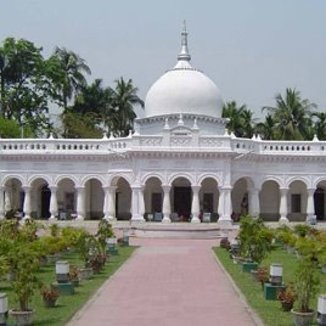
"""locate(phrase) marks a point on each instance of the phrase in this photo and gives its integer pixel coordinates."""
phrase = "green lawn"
(67, 306)
(269, 311)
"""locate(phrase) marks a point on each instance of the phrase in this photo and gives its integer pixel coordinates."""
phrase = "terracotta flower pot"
(49, 303)
(286, 306)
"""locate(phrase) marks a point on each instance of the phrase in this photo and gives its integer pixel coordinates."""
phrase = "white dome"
(183, 90)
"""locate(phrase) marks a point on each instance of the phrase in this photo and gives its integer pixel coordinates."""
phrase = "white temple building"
(180, 164)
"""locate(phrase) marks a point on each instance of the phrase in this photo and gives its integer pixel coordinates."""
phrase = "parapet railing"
(206, 142)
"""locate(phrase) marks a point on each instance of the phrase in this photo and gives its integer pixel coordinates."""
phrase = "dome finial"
(184, 53)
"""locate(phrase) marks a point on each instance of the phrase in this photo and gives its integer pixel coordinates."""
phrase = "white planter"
(62, 267)
(321, 308)
(3, 303)
(111, 241)
(276, 270)
(275, 273)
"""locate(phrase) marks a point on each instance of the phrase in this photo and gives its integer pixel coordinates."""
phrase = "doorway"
(45, 202)
(182, 202)
(319, 201)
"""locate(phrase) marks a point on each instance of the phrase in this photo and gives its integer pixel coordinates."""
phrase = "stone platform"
(178, 230)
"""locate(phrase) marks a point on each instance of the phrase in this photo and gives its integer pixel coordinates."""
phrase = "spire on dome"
(184, 53)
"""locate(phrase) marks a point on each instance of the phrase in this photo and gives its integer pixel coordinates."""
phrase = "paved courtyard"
(167, 282)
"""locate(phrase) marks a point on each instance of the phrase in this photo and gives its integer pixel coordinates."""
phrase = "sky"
(251, 49)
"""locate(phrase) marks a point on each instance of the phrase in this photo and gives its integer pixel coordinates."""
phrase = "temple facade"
(180, 164)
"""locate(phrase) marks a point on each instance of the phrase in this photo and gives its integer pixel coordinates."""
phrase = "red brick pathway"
(167, 283)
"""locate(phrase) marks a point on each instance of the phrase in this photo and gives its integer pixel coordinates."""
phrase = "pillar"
(166, 207)
(195, 208)
(310, 204)
(109, 203)
(225, 205)
(2, 203)
(7, 199)
(142, 202)
(27, 202)
(253, 198)
(53, 203)
(136, 196)
(283, 205)
(80, 203)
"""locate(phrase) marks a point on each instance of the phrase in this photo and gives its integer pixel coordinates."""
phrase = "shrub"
(255, 239)
(225, 243)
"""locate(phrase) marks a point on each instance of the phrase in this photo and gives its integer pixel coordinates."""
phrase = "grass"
(67, 306)
(269, 311)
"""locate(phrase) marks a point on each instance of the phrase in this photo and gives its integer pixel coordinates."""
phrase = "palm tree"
(248, 123)
(267, 128)
(320, 125)
(93, 98)
(240, 119)
(71, 79)
(122, 113)
(291, 115)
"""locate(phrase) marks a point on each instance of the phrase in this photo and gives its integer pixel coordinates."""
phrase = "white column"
(7, 199)
(195, 209)
(225, 206)
(80, 203)
(27, 202)
(253, 199)
(310, 204)
(166, 209)
(136, 196)
(109, 203)
(2, 202)
(142, 202)
(53, 203)
(284, 205)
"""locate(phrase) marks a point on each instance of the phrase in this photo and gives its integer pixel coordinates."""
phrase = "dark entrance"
(156, 202)
(182, 202)
(319, 201)
(45, 202)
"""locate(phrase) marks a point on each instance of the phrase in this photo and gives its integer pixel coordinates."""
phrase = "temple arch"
(94, 198)
(269, 198)
(40, 198)
(153, 198)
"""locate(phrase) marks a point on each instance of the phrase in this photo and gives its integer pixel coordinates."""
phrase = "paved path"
(167, 283)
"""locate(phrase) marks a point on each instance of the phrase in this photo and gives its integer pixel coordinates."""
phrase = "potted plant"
(306, 284)
(74, 275)
(104, 232)
(255, 241)
(287, 297)
(50, 295)
(225, 243)
(24, 283)
(262, 275)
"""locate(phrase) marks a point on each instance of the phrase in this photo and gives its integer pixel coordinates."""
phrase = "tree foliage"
(30, 84)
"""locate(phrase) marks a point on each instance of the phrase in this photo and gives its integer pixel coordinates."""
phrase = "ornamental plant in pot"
(24, 283)
(50, 296)
(255, 239)
(287, 297)
(104, 232)
(306, 284)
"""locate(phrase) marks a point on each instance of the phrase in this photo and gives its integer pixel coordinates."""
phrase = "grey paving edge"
(256, 319)
(89, 302)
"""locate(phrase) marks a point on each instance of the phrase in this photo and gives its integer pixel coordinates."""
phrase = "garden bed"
(269, 311)
(67, 306)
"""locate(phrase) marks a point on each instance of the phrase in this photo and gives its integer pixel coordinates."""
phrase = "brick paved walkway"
(167, 283)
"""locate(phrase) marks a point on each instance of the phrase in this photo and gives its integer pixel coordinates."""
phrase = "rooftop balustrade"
(205, 142)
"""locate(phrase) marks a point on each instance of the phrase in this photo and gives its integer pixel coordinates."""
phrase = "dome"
(183, 89)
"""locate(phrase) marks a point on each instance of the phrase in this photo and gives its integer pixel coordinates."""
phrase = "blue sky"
(252, 49)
